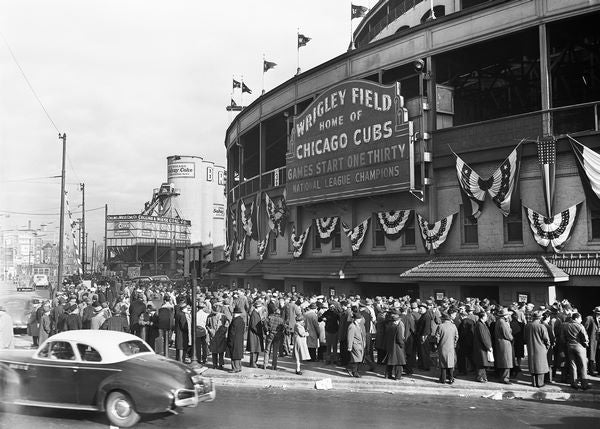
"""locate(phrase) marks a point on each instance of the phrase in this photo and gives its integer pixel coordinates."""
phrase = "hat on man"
(237, 310)
(357, 315)
(597, 310)
(299, 318)
(537, 314)
(97, 306)
(150, 306)
(423, 305)
(502, 311)
(312, 305)
(369, 301)
(394, 312)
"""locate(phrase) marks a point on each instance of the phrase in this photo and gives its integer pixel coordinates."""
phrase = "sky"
(131, 82)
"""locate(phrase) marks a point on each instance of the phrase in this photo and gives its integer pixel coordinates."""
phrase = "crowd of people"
(397, 334)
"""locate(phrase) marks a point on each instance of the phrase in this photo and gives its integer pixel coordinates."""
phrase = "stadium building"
(445, 155)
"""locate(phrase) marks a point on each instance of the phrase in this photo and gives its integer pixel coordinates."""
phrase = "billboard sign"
(142, 226)
(354, 139)
(181, 169)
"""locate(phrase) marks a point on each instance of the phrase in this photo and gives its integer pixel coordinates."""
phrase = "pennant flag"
(303, 40)
(547, 157)
(298, 241)
(246, 89)
(267, 65)
(246, 215)
(261, 247)
(276, 214)
(240, 252)
(325, 226)
(554, 231)
(435, 234)
(393, 221)
(357, 234)
(588, 163)
(500, 186)
(233, 103)
(358, 11)
(236, 84)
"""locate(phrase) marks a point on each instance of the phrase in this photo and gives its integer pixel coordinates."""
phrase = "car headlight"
(197, 379)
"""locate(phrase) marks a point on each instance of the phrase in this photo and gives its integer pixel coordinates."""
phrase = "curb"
(394, 388)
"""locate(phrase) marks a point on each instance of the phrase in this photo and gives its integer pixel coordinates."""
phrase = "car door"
(92, 371)
(53, 374)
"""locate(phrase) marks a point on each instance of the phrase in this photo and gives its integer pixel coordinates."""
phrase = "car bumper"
(203, 392)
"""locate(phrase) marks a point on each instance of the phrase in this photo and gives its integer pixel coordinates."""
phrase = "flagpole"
(298, 51)
(263, 75)
(242, 91)
(351, 36)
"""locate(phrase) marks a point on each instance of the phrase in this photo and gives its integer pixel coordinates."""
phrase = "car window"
(130, 348)
(58, 350)
(88, 353)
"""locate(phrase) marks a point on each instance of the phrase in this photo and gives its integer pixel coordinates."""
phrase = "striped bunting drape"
(500, 186)
(240, 252)
(276, 213)
(246, 217)
(325, 226)
(393, 221)
(588, 163)
(261, 246)
(357, 234)
(434, 234)
(227, 251)
(554, 231)
(298, 241)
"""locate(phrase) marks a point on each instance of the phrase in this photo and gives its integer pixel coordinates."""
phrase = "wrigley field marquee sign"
(354, 139)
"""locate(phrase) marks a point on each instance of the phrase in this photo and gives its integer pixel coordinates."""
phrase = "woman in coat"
(357, 340)
(46, 323)
(482, 345)
(538, 343)
(503, 350)
(235, 340)
(395, 357)
(446, 335)
(300, 348)
(33, 325)
(216, 327)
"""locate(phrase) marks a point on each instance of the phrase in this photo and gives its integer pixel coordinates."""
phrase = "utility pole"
(93, 253)
(61, 239)
(105, 230)
(83, 234)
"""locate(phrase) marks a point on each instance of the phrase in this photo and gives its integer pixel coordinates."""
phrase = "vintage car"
(19, 306)
(108, 371)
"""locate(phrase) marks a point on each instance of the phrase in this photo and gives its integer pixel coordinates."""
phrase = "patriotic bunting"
(298, 241)
(262, 246)
(393, 221)
(240, 252)
(554, 231)
(588, 163)
(500, 186)
(75, 243)
(325, 226)
(547, 158)
(357, 234)
(276, 213)
(227, 251)
(434, 234)
(246, 217)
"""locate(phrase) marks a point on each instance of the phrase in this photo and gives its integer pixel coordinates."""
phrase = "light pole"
(61, 239)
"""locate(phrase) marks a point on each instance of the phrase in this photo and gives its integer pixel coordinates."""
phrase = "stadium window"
(594, 224)
(513, 228)
(336, 236)
(469, 227)
(316, 238)
(378, 233)
(408, 236)
(273, 242)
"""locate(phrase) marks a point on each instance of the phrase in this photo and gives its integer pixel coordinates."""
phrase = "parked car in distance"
(113, 372)
(19, 306)
(41, 280)
(23, 285)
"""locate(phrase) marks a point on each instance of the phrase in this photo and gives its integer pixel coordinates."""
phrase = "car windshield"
(133, 347)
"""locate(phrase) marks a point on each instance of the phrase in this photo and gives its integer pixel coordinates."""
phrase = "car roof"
(105, 342)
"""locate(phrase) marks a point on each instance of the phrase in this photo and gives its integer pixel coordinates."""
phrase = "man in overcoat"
(255, 342)
(446, 336)
(181, 329)
(356, 340)
(592, 327)
(311, 323)
(409, 339)
(538, 343)
(482, 344)
(503, 345)
(464, 349)
(394, 343)
(235, 339)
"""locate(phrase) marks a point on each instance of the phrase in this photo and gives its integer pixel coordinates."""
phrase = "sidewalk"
(421, 382)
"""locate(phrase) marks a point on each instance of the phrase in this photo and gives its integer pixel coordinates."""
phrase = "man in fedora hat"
(576, 339)
(235, 339)
(356, 343)
(503, 345)
(538, 344)
(394, 336)
(592, 327)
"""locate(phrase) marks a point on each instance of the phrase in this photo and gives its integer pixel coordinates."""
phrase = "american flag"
(547, 150)
(547, 158)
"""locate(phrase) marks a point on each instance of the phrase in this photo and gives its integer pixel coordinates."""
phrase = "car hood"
(164, 369)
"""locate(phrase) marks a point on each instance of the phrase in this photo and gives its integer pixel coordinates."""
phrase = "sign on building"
(353, 140)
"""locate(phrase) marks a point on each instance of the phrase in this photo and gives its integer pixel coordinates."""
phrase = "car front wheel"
(120, 410)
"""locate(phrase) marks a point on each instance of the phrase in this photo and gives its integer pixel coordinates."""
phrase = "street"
(250, 408)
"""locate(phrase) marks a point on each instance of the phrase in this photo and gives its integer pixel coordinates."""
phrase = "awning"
(237, 268)
(486, 267)
(578, 264)
(308, 268)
